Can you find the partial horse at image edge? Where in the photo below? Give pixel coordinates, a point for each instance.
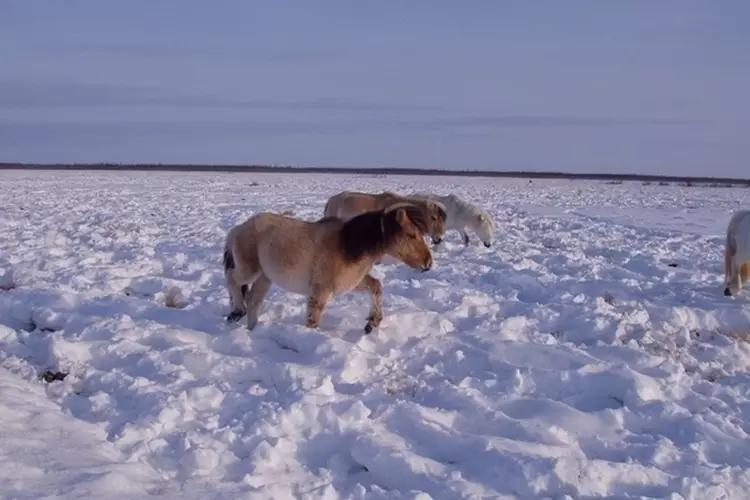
(320, 259)
(737, 252)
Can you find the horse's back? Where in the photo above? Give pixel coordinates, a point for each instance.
(350, 203)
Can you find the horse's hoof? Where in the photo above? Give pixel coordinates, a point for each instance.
(727, 293)
(488, 245)
(372, 323)
(234, 316)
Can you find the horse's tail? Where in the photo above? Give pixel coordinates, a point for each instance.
(228, 259)
(229, 262)
(228, 256)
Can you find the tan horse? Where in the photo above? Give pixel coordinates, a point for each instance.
(320, 259)
(347, 204)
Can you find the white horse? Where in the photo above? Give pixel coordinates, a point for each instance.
(737, 252)
(462, 215)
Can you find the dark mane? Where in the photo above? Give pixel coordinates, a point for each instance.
(328, 218)
(372, 232)
(419, 219)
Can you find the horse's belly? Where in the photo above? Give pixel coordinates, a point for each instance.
(348, 280)
(291, 282)
(290, 272)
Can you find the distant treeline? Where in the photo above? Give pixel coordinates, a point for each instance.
(613, 178)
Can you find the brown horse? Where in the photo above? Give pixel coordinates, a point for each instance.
(347, 204)
(320, 259)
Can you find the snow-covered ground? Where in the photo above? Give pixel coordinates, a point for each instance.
(590, 353)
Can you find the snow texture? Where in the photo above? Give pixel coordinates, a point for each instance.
(589, 353)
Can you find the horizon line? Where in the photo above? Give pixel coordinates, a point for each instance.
(251, 168)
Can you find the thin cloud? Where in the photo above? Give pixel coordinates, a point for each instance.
(530, 121)
(165, 50)
(22, 94)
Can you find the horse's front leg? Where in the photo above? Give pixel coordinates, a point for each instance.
(254, 299)
(316, 304)
(375, 289)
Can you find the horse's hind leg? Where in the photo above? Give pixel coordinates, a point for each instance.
(375, 289)
(236, 296)
(254, 299)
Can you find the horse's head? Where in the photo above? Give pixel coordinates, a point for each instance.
(436, 217)
(407, 225)
(484, 227)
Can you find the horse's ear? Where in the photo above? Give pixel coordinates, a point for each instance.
(401, 216)
(441, 211)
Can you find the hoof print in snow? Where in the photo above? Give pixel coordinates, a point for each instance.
(7, 281)
(50, 376)
(620, 403)
(32, 326)
(608, 298)
(358, 468)
(285, 346)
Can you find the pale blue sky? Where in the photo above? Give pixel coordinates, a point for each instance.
(577, 85)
